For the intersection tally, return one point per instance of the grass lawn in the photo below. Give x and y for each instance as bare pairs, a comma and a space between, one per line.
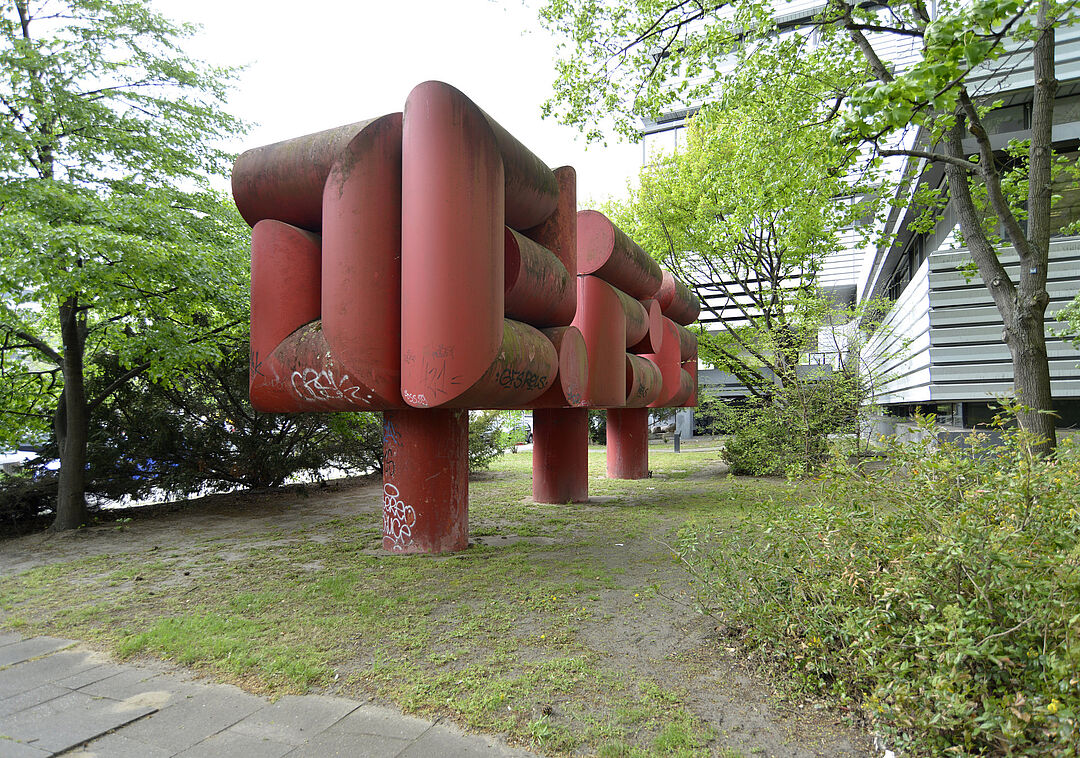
565, 628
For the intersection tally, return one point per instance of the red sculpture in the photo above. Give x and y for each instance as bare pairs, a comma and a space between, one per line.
426, 263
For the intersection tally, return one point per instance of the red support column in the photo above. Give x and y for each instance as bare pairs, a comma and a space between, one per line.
628, 443
425, 480
560, 455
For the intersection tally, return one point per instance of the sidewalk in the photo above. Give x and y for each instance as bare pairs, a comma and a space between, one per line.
59, 698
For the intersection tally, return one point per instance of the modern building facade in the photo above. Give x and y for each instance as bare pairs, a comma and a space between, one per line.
939, 347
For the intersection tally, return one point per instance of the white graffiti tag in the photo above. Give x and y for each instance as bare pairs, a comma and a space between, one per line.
310, 384
398, 519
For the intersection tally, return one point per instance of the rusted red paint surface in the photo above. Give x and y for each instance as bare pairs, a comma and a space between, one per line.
644, 381
677, 301
284, 181
285, 286
452, 259
605, 251
361, 253
569, 391
628, 443
560, 455
425, 480
539, 290
602, 323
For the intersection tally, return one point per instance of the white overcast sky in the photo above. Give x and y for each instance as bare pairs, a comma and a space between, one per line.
321, 63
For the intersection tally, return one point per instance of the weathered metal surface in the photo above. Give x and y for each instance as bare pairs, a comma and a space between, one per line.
573, 382
691, 367
654, 337
636, 317
451, 246
602, 323
284, 181
560, 455
643, 381
677, 301
628, 443
532, 191
285, 284
302, 375
425, 480
525, 367
605, 251
558, 233
361, 263
667, 360
687, 387
539, 290
687, 342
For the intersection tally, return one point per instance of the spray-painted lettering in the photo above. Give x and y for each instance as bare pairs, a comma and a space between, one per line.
398, 520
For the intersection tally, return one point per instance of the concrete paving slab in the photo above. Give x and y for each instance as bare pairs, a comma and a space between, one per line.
385, 722
24, 650
48, 670
236, 745
30, 698
331, 744
10, 639
130, 681
293, 719
90, 676
450, 742
68, 721
195, 717
116, 745
12, 749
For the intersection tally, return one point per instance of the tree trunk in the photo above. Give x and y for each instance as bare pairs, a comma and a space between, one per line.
71, 422
1031, 375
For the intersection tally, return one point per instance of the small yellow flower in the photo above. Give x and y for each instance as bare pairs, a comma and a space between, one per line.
1053, 707
543, 636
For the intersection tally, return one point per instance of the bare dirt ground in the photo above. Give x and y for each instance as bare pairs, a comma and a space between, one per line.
642, 626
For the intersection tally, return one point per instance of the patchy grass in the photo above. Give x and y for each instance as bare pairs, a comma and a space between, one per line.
567, 628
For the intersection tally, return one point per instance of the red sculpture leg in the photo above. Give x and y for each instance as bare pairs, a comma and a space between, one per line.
560, 455
628, 443
425, 480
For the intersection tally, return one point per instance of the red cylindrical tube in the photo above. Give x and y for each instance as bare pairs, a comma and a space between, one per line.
284, 181
628, 443
560, 455
451, 246
539, 290
601, 319
526, 365
677, 301
605, 251
361, 267
425, 480
643, 381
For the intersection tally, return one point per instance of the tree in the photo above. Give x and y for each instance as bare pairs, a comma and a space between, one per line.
636, 57
112, 242
750, 208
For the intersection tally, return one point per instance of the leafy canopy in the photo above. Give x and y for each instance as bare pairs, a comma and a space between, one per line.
107, 146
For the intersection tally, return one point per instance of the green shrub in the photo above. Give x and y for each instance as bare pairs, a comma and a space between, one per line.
487, 438
788, 433
941, 593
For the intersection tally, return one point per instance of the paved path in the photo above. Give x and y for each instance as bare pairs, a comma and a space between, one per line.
59, 698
